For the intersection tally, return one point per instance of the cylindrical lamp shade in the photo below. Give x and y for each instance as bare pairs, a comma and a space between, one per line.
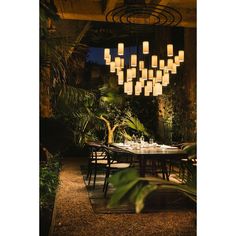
129, 88
142, 81
129, 75
108, 60
157, 89
122, 63
133, 72
165, 79
159, 76
133, 60
145, 47
112, 67
154, 61
118, 69
174, 69
146, 91
166, 71
136, 92
121, 77
144, 73
150, 74
106, 53
177, 61
170, 64
181, 55
149, 86
120, 49
138, 88
117, 62
162, 64
170, 50
141, 65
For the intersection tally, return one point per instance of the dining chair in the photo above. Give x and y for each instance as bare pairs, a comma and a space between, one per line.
97, 159
117, 160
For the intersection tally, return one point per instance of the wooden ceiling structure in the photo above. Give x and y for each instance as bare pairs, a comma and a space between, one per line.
86, 21
96, 10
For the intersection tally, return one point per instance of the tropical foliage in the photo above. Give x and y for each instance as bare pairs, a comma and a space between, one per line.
134, 189
49, 181
75, 107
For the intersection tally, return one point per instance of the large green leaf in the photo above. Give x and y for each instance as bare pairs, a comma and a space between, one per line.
132, 188
142, 194
121, 193
123, 177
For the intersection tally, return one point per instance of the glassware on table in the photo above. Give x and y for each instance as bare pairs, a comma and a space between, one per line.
151, 141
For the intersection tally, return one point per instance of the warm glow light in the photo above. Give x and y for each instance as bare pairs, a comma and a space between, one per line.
133, 60
162, 64
170, 64
154, 61
149, 86
129, 75
159, 76
138, 88
142, 81
145, 47
157, 89
174, 69
146, 91
118, 69
165, 79
133, 72
144, 73
121, 77
106, 53
117, 62
141, 65
125, 87
129, 88
166, 71
177, 61
108, 60
122, 63
112, 67
181, 55
150, 74
120, 49
170, 50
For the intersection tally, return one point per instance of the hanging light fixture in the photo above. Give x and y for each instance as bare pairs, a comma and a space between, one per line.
138, 77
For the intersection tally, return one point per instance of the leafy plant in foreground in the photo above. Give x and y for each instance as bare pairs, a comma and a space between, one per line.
134, 189
49, 181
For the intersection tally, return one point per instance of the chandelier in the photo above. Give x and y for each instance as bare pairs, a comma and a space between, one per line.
143, 73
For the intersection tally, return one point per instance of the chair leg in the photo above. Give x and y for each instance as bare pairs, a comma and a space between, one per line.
95, 175
88, 171
90, 175
105, 180
164, 170
106, 188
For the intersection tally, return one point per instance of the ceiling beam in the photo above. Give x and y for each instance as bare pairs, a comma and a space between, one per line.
110, 4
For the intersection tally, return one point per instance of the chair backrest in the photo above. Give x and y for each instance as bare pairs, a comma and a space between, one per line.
112, 153
96, 149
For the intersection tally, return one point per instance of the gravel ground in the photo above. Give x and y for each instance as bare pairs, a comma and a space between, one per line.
74, 216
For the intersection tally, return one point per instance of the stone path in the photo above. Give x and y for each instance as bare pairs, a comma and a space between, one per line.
74, 216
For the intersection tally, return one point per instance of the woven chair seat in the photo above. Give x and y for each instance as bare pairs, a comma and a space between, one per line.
119, 165
103, 162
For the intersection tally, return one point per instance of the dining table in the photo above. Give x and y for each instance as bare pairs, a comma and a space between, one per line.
154, 151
